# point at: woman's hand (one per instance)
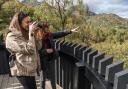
(32, 27)
(49, 50)
(75, 29)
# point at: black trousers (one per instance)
(48, 73)
(28, 82)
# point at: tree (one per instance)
(60, 9)
(2, 2)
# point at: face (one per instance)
(46, 30)
(25, 23)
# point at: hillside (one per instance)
(109, 20)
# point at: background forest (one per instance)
(105, 32)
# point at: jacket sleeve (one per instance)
(43, 52)
(57, 35)
(16, 44)
(39, 44)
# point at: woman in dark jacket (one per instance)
(48, 52)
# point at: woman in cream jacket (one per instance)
(21, 41)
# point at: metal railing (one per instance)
(82, 67)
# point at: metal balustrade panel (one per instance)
(82, 67)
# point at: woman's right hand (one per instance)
(49, 50)
(75, 29)
(32, 27)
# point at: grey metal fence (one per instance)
(82, 67)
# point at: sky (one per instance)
(119, 7)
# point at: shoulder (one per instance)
(12, 36)
(14, 32)
(9, 35)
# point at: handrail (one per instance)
(97, 69)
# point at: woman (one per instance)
(47, 52)
(21, 42)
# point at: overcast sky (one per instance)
(119, 7)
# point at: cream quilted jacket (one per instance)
(27, 58)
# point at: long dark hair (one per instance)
(15, 24)
(21, 16)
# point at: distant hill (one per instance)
(90, 13)
(111, 20)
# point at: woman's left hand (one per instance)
(75, 29)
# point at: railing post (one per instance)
(103, 64)
(79, 53)
(56, 45)
(112, 69)
(121, 80)
(58, 64)
(90, 57)
(85, 54)
(79, 77)
(96, 59)
(75, 48)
